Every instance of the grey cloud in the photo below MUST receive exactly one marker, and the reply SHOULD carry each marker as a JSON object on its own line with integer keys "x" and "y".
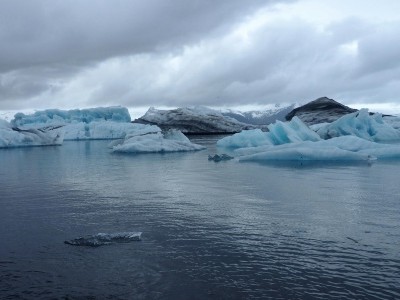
{"x": 54, "y": 31}
{"x": 155, "y": 53}
{"x": 285, "y": 62}
{"x": 380, "y": 50}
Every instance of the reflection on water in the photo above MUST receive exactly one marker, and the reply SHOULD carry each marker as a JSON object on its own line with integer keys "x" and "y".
{"x": 210, "y": 230}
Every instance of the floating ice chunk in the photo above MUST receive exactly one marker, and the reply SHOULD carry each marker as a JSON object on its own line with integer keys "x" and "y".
{"x": 218, "y": 158}
{"x": 361, "y": 124}
{"x": 101, "y": 239}
{"x": 170, "y": 141}
{"x": 16, "y": 137}
{"x": 279, "y": 133}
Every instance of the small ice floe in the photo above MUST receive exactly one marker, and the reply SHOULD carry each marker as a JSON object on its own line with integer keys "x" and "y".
{"x": 218, "y": 158}
{"x": 101, "y": 239}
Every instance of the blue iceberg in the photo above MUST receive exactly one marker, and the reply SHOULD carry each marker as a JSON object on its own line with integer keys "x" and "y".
{"x": 279, "y": 133}
{"x": 84, "y": 124}
{"x": 152, "y": 139}
{"x": 361, "y": 124}
{"x": 356, "y": 140}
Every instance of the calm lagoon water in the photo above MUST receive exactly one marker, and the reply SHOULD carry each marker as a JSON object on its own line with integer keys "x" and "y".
{"x": 223, "y": 230}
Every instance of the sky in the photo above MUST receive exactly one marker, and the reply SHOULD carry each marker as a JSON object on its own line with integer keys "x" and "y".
{"x": 232, "y": 53}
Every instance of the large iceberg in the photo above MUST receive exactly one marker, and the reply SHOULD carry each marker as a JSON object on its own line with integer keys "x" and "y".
{"x": 15, "y": 137}
{"x": 361, "y": 124}
{"x": 113, "y": 113}
{"x": 152, "y": 139}
{"x": 84, "y": 124}
{"x": 295, "y": 141}
{"x": 193, "y": 120}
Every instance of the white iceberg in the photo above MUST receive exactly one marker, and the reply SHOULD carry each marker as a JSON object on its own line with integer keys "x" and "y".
{"x": 295, "y": 141}
{"x": 84, "y": 124}
{"x": 15, "y": 137}
{"x": 154, "y": 140}
{"x": 361, "y": 124}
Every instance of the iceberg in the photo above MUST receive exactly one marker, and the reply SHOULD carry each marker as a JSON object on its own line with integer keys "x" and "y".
{"x": 319, "y": 111}
{"x": 101, "y": 239}
{"x": 154, "y": 140}
{"x": 113, "y": 113}
{"x": 361, "y": 124}
{"x": 84, "y": 124}
{"x": 295, "y": 141}
{"x": 279, "y": 133}
{"x": 16, "y": 137}
{"x": 193, "y": 120}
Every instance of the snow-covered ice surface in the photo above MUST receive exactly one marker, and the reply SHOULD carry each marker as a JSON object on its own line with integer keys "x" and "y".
{"x": 193, "y": 120}
{"x": 259, "y": 117}
{"x": 84, "y": 124}
{"x": 16, "y": 137}
{"x": 101, "y": 239}
{"x": 295, "y": 141}
{"x": 153, "y": 140}
{"x": 361, "y": 124}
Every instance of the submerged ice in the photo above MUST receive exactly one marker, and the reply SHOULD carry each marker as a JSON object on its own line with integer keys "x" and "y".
{"x": 352, "y": 137}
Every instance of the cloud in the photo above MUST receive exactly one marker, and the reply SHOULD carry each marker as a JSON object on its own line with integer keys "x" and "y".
{"x": 227, "y": 53}
{"x": 54, "y": 31}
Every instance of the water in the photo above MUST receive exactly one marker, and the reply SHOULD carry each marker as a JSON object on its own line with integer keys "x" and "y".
{"x": 223, "y": 230}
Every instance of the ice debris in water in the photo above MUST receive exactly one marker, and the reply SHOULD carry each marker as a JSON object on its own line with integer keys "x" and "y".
{"x": 221, "y": 157}
{"x": 101, "y": 239}
{"x": 295, "y": 141}
{"x": 155, "y": 141}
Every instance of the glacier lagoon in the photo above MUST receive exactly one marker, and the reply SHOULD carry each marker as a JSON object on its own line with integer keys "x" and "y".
{"x": 209, "y": 230}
